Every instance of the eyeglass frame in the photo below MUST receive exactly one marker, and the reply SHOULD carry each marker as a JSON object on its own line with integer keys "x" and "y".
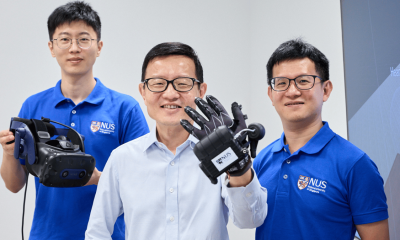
{"x": 295, "y": 83}
{"x": 172, "y": 82}
{"x": 77, "y": 41}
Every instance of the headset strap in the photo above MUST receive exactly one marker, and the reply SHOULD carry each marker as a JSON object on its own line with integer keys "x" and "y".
{"x": 73, "y": 136}
{"x": 41, "y": 130}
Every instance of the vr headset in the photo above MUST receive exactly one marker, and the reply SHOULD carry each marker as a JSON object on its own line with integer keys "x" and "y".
{"x": 59, "y": 162}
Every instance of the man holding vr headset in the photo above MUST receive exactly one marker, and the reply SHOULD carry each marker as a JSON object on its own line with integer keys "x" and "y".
{"x": 104, "y": 117}
{"x": 156, "y": 181}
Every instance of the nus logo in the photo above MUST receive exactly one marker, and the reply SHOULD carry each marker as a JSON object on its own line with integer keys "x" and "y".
{"x": 220, "y": 160}
{"x": 311, "y": 184}
{"x": 102, "y": 127}
{"x": 108, "y": 126}
{"x": 223, "y": 159}
{"x": 317, "y": 183}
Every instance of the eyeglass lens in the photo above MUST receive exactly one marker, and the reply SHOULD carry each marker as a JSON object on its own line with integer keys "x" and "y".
{"x": 160, "y": 85}
{"x": 302, "y": 82}
{"x": 64, "y": 42}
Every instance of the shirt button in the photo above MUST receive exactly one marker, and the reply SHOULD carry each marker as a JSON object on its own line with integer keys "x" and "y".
{"x": 73, "y": 111}
{"x": 248, "y": 194}
{"x": 284, "y": 149}
{"x": 171, "y": 190}
{"x": 72, "y": 124}
{"x": 288, "y": 161}
{"x": 172, "y": 163}
{"x": 285, "y": 176}
{"x": 171, "y": 218}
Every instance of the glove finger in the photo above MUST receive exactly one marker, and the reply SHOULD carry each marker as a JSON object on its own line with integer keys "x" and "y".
{"x": 205, "y": 108}
{"x": 214, "y": 120}
{"x": 197, "y": 133}
{"x": 193, "y": 114}
{"x": 215, "y": 104}
{"x": 220, "y": 110}
{"x": 238, "y": 118}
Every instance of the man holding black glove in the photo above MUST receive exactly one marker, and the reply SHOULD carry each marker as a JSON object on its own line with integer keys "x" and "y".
{"x": 223, "y": 146}
{"x": 155, "y": 180}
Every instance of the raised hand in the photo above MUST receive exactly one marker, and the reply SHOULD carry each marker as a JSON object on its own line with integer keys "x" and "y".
{"x": 216, "y": 116}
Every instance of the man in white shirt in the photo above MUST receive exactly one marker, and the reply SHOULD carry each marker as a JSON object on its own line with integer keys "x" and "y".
{"x": 156, "y": 181}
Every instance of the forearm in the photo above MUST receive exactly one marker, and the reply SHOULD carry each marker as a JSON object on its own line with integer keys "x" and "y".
{"x": 13, "y": 173}
{"x": 94, "y": 179}
{"x": 374, "y": 231}
{"x": 247, "y": 205}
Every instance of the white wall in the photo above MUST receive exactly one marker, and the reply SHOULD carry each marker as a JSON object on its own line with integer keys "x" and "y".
{"x": 233, "y": 38}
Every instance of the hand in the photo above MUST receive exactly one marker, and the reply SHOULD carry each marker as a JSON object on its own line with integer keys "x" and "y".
{"x": 5, "y": 137}
{"x": 94, "y": 179}
{"x": 12, "y": 172}
{"x": 217, "y": 116}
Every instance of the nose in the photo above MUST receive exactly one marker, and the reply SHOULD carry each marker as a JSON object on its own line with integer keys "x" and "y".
{"x": 293, "y": 90}
{"x": 170, "y": 93}
{"x": 74, "y": 46}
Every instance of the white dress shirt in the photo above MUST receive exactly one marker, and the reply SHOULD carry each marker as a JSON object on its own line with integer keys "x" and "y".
{"x": 167, "y": 196}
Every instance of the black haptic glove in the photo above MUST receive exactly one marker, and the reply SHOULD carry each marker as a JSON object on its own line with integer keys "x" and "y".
{"x": 222, "y": 146}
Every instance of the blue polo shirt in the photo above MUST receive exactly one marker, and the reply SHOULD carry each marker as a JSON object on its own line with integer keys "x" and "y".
{"x": 107, "y": 119}
{"x": 320, "y": 191}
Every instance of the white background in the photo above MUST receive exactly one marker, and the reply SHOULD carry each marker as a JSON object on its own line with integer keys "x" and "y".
{"x": 234, "y": 40}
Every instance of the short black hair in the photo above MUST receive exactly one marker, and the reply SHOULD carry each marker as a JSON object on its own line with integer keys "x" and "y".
{"x": 299, "y": 49}
{"x": 173, "y": 48}
{"x": 74, "y": 11}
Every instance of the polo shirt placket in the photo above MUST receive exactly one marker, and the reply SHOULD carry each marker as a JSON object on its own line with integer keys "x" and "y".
{"x": 74, "y": 119}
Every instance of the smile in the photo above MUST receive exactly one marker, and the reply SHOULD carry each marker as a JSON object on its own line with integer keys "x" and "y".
{"x": 170, "y": 106}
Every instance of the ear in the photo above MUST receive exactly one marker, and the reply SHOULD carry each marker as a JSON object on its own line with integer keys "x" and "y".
{"x": 270, "y": 94}
{"x": 99, "y": 47}
{"x": 142, "y": 92}
{"x": 203, "y": 89}
{"x": 50, "y": 44}
{"x": 327, "y": 88}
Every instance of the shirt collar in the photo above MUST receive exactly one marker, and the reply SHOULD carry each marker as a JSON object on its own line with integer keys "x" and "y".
{"x": 58, "y": 96}
{"x": 278, "y": 146}
{"x": 152, "y": 139}
{"x": 97, "y": 95}
{"x": 314, "y": 145}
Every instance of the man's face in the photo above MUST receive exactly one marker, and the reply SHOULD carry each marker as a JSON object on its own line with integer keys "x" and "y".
{"x": 167, "y": 107}
{"x": 294, "y": 105}
{"x": 75, "y": 61}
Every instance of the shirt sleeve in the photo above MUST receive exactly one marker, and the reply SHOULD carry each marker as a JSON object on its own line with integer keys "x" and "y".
{"x": 366, "y": 195}
{"x": 247, "y": 205}
{"x": 107, "y": 205}
{"x": 134, "y": 124}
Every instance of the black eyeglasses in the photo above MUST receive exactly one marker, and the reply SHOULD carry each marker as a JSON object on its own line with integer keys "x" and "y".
{"x": 181, "y": 84}
{"x": 303, "y": 82}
